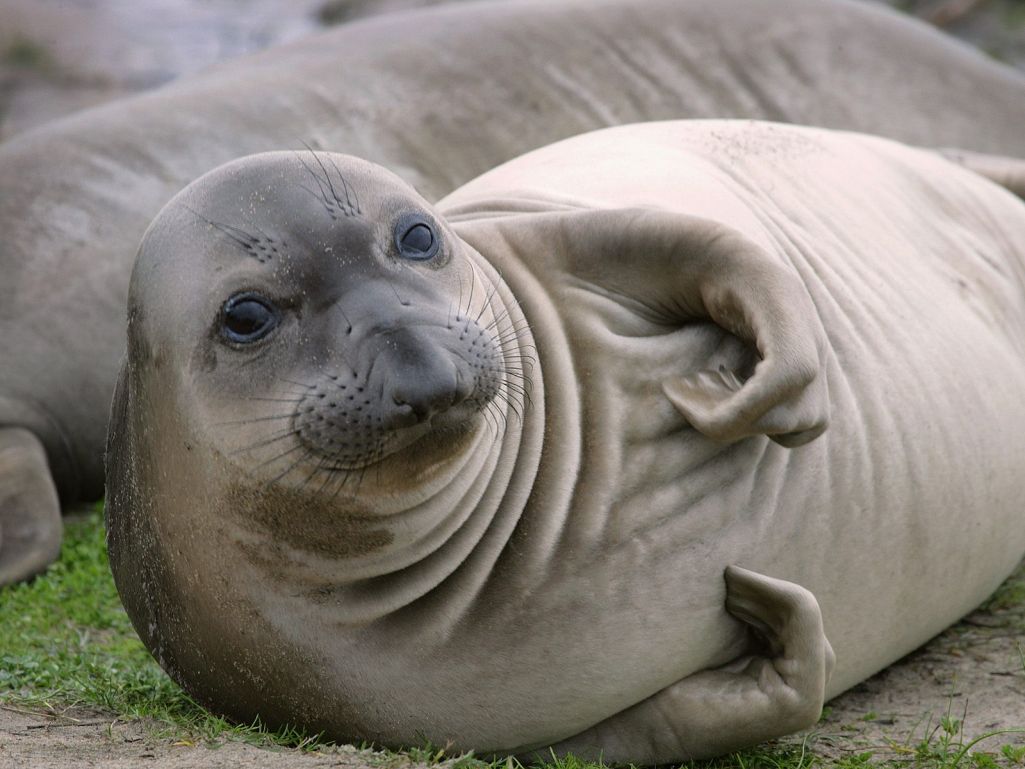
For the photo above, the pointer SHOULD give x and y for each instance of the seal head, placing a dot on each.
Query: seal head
(342, 306)
(322, 384)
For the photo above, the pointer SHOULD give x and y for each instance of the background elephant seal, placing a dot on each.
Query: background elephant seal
(76, 196)
(372, 463)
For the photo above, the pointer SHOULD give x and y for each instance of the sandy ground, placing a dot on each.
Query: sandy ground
(60, 55)
(84, 739)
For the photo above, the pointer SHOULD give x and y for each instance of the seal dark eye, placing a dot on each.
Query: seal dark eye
(248, 318)
(415, 238)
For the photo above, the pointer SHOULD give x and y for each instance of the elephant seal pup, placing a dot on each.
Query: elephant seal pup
(485, 472)
(530, 73)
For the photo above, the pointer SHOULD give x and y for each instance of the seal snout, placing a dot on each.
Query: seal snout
(427, 390)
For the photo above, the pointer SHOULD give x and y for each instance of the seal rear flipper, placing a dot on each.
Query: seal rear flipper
(750, 700)
(30, 516)
(1008, 172)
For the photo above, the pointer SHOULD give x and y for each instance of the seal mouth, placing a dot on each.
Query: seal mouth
(411, 397)
(400, 444)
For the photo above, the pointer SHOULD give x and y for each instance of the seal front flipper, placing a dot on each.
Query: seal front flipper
(760, 697)
(30, 518)
(704, 270)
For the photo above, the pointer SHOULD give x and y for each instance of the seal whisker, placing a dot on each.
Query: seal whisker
(266, 442)
(487, 297)
(487, 303)
(353, 211)
(504, 317)
(347, 210)
(509, 338)
(505, 396)
(516, 387)
(514, 404)
(395, 291)
(275, 400)
(515, 334)
(492, 427)
(333, 477)
(342, 478)
(465, 311)
(377, 466)
(319, 469)
(320, 184)
(518, 326)
(359, 478)
(497, 414)
(244, 240)
(306, 453)
(254, 419)
(320, 197)
(515, 361)
(500, 397)
(327, 178)
(485, 410)
(297, 384)
(459, 301)
(525, 381)
(338, 306)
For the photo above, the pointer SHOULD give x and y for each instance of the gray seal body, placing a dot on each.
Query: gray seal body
(639, 446)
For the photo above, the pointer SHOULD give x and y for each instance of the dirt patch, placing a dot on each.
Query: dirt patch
(83, 739)
(973, 672)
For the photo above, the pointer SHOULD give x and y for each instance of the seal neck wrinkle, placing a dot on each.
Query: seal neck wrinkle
(535, 511)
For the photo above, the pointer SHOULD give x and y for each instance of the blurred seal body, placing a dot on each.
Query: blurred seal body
(372, 463)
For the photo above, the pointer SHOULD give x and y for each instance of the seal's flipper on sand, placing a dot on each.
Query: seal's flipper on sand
(1008, 172)
(30, 518)
(761, 697)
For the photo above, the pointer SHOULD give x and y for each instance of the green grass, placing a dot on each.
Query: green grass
(1009, 598)
(67, 644)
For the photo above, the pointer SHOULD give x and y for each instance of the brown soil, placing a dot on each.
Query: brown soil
(81, 739)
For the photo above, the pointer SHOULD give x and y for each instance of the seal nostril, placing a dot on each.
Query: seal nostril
(403, 416)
